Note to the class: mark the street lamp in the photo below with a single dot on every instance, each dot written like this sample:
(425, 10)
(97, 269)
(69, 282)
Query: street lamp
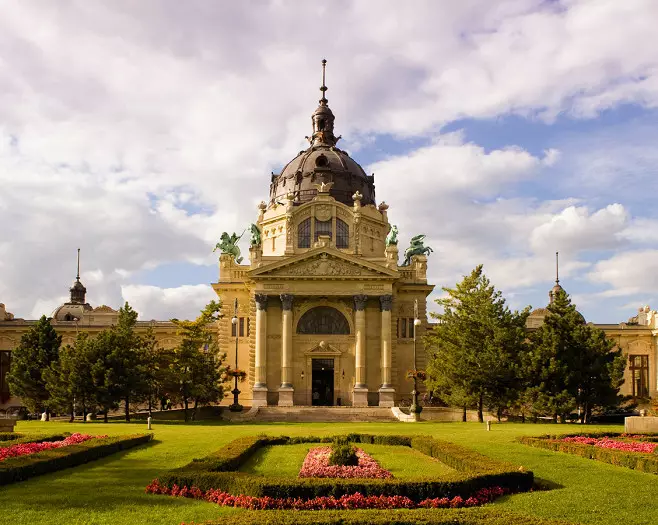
(415, 407)
(235, 407)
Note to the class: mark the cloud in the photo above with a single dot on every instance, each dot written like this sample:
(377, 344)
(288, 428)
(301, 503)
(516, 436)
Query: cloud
(167, 303)
(632, 272)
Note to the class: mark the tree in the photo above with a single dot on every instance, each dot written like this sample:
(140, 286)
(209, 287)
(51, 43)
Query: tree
(475, 346)
(38, 349)
(196, 363)
(571, 364)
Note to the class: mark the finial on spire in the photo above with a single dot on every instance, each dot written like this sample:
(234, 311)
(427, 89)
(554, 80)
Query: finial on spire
(557, 267)
(324, 88)
(77, 276)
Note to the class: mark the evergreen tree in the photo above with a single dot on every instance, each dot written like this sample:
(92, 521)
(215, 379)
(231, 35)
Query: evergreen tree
(38, 349)
(571, 364)
(475, 346)
(196, 363)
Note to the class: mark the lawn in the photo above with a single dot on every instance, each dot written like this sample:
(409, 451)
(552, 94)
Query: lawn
(111, 490)
(402, 462)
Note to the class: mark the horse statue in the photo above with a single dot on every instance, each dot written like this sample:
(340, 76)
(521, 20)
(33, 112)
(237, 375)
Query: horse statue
(255, 236)
(416, 248)
(228, 244)
(392, 237)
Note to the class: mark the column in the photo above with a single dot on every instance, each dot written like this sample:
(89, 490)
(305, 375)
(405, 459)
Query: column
(360, 388)
(286, 389)
(260, 358)
(386, 390)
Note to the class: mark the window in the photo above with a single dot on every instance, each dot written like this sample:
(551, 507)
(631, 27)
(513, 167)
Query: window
(304, 234)
(241, 323)
(342, 234)
(234, 330)
(5, 362)
(242, 327)
(323, 320)
(406, 327)
(639, 366)
(322, 228)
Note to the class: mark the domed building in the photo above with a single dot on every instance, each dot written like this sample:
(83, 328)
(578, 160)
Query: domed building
(325, 314)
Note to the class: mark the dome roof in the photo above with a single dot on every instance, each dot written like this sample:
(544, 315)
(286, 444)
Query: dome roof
(540, 311)
(323, 162)
(70, 312)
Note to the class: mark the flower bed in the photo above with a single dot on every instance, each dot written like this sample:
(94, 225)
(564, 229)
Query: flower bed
(23, 449)
(19, 468)
(316, 465)
(627, 445)
(350, 501)
(617, 449)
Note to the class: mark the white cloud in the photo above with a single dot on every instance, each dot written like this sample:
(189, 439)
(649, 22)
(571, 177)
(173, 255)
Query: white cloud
(633, 272)
(167, 303)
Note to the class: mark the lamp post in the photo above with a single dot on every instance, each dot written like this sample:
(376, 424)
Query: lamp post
(415, 407)
(235, 407)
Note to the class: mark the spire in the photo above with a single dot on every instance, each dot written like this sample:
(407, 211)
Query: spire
(323, 118)
(78, 291)
(557, 286)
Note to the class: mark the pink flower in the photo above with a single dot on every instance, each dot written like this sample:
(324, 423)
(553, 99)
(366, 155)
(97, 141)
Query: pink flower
(24, 449)
(316, 465)
(605, 442)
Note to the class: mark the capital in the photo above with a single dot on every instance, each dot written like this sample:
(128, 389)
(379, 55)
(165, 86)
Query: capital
(261, 301)
(385, 302)
(360, 302)
(286, 301)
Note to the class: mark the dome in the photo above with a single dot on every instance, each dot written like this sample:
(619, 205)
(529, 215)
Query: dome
(323, 162)
(540, 311)
(70, 312)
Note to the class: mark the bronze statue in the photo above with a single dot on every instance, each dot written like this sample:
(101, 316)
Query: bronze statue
(228, 244)
(416, 247)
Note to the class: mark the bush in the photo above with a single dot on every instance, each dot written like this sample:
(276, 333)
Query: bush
(23, 467)
(634, 460)
(475, 472)
(16, 439)
(343, 455)
(383, 517)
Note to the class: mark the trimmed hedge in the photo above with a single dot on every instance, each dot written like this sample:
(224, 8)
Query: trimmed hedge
(23, 467)
(634, 460)
(475, 472)
(383, 517)
(32, 438)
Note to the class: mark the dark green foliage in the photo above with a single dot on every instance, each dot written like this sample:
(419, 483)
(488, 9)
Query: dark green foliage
(9, 436)
(23, 467)
(475, 471)
(634, 460)
(474, 348)
(343, 454)
(31, 438)
(38, 349)
(571, 364)
(486, 516)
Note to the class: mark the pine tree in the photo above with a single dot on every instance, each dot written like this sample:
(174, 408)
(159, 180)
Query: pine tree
(475, 347)
(38, 349)
(196, 363)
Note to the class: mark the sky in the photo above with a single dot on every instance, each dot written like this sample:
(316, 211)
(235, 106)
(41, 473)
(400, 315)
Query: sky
(504, 131)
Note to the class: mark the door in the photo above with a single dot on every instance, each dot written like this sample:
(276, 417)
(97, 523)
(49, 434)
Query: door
(322, 382)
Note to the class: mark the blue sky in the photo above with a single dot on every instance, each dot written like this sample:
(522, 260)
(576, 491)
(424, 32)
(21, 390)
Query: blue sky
(503, 130)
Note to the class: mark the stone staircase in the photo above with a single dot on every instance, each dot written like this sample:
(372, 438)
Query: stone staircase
(306, 414)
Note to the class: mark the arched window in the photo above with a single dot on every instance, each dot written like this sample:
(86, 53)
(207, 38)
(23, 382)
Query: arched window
(304, 234)
(322, 228)
(323, 320)
(342, 234)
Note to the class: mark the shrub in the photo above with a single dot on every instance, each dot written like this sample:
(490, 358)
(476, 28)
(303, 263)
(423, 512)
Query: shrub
(343, 455)
(32, 438)
(24, 467)
(482, 516)
(634, 460)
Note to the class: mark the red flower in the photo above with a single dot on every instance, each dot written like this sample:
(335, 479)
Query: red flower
(23, 449)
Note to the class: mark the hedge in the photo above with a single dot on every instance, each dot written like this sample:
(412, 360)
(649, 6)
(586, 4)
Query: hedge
(474, 472)
(19, 439)
(482, 516)
(634, 460)
(23, 467)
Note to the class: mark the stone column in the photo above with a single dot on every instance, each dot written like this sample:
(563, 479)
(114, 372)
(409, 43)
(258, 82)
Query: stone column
(260, 358)
(386, 390)
(286, 389)
(360, 388)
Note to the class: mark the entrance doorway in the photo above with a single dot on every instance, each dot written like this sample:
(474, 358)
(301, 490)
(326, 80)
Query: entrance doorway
(322, 382)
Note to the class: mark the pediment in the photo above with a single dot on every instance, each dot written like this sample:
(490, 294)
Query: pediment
(324, 263)
(323, 349)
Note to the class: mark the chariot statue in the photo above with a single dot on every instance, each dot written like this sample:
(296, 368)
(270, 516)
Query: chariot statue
(392, 237)
(228, 244)
(416, 247)
(255, 236)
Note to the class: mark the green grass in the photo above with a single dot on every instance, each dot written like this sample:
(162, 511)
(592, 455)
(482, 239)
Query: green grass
(111, 491)
(402, 462)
